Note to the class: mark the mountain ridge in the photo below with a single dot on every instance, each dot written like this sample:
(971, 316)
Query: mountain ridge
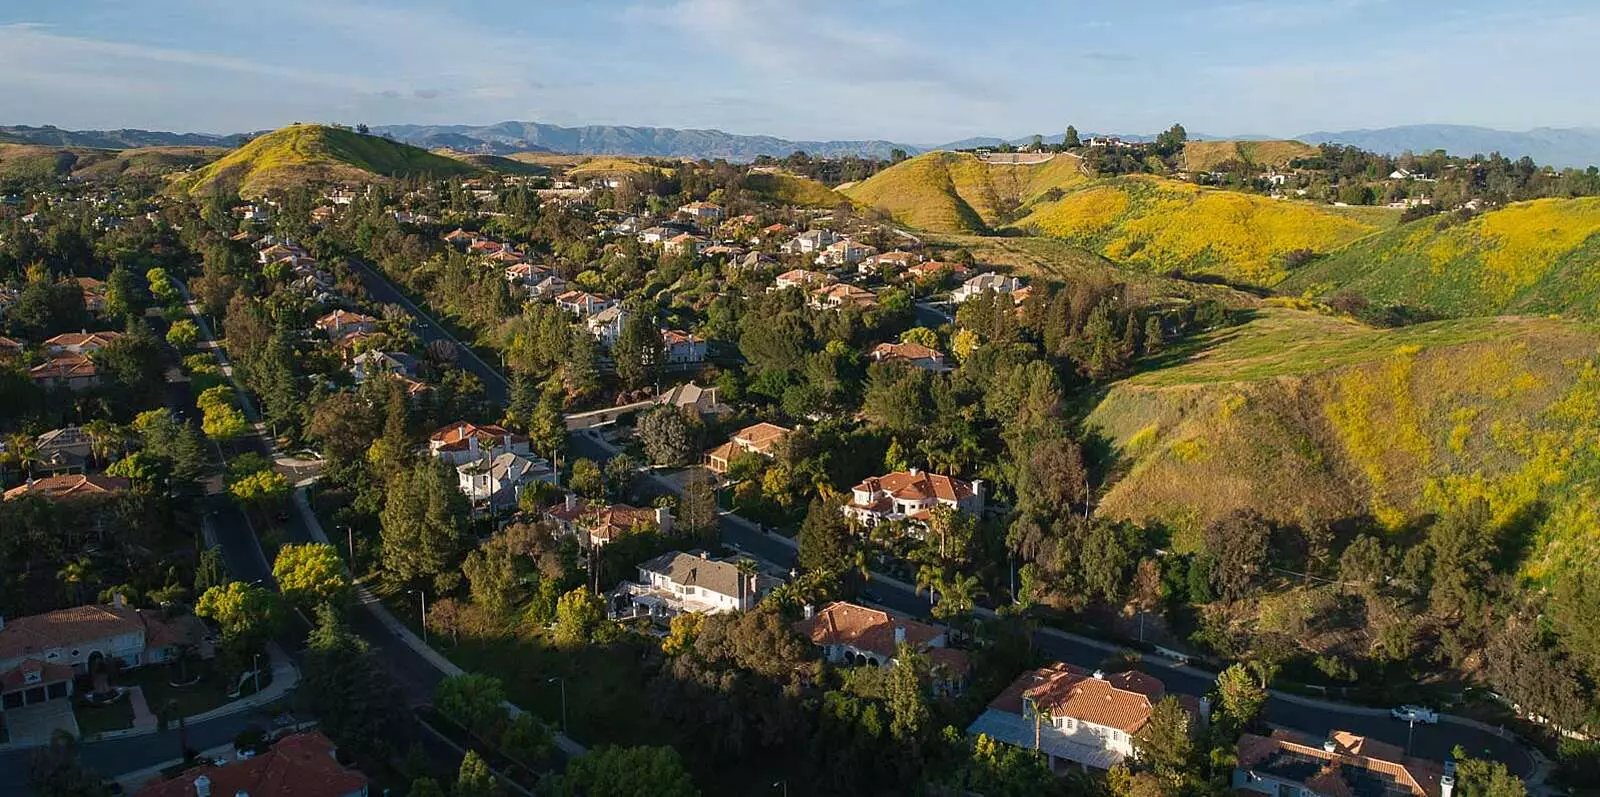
(504, 138)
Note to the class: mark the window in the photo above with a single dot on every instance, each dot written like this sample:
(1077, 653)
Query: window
(75, 654)
(32, 677)
(1069, 724)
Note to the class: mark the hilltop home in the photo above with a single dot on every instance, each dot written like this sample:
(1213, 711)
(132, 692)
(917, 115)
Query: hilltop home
(761, 438)
(683, 347)
(1075, 717)
(703, 400)
(841, 295)
(800, 278)
(853, 635)
(64, 450)
(606, 325)
(985, 283)
(375, 362)
(463, 442)
(583, 304)
(915, 355)
(911, 495)
(896, 261)
(43, 654)
(1289, 765)
(701, 211)
(845, 253)
(676, 582)
(809, 242)
(298, 765)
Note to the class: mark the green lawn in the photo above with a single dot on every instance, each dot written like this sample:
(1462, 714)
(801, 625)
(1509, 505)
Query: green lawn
(93, 719)
(209, 693)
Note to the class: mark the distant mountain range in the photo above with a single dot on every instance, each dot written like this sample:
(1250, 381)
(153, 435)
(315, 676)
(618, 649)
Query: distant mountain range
(1577, 147)
(508, 137)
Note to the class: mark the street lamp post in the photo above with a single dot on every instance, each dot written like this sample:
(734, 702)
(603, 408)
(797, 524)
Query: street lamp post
(350, 539)
(255, 670)
(558, 679)
(783, 784)
(423, 594)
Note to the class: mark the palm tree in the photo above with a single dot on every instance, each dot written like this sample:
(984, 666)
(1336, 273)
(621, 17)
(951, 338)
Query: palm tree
(22, 450)
(960, 593)
(104, 438)
(930, 578)
(74, 575)
(863, 565)
(747, 576)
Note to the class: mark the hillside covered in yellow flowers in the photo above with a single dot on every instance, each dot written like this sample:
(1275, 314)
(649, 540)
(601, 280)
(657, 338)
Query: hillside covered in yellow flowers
(1302, 417)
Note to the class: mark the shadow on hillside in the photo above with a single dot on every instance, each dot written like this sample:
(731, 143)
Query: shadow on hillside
(1214, 279)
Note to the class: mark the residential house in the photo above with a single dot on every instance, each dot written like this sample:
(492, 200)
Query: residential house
(676, 582)
(606, 325)
(854, 635)
(845, 253)
(70, 487)
(841, 295)
(505, 257)
(598, 526)
(724, 251)
(655, 235)
(64, 450)
(548, 288)
(80, 342)
(340, 323)
(757, 260)
(484, 246)
(583, 303)
(909, 353)
(460, 237)
(893, 261)
(683, 347)
(701, 211)
(911, 495)
(1286, 764)
(525, 274)
(934, 269)
(72, 371)
(684, 243)
(499, 481)
(761, 438)
(702, 400)
(10, 348)
(374, 362)
(809, 242)
(298, 765)
(462, 442)
(42, 655)
(800, 278)
(1075, 717)
(94, 293)
(988, 282)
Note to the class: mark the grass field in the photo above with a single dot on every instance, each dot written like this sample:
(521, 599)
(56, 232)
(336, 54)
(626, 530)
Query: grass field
(1204, 156)
(1301, 416)
(1163, 225)
(954, 192)
(316, 153)
(607, 165)
(1530, 257)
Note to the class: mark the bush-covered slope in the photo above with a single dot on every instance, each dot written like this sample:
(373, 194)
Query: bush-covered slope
(494, 163)
(1298, 415)
(316, 154)
(1164, 224)
(955, 192)
(1204, 156)
(1537, 257)
(792, 190)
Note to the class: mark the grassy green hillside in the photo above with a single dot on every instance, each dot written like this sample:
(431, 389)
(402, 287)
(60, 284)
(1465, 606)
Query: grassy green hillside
(603, 166)
(1299, 415)
(955, 192)
(1204, 156)
(792, 190)
(29, 161)
(1165, 224)
(495, 163)
(315, 154)
(1530, 257)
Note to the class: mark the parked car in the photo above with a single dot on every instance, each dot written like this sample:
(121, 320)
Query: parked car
(1415, 714)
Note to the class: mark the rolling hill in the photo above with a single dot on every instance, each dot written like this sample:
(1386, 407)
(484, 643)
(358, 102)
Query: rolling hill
(955, 192)
(1166, 225)
(495, 163)
(29, 161)
(1205, 156)
(1529, 257)
(1303, 416)
(791, 189)
(315, 154)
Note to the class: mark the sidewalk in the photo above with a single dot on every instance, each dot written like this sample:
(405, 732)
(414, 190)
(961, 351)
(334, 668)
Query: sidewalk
(404, 633)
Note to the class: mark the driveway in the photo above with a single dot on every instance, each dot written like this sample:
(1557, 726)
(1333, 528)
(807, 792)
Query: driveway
(33, 725)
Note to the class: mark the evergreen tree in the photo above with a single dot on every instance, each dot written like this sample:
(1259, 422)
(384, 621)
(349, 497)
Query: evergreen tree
(1071, 141)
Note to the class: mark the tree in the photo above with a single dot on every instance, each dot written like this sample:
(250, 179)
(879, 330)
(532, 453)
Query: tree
(359, 706)
(587, 480)
(527, 739)
(247, 614)
(209, 571)
(670, 436)
(474, 778)
(697, 508)
(579, 614)
(1241, 695)
(1164, 743)
(1072, 141)
(627, 772)
(824, 540)
(425, 787)
(1154, 336)
(908, 704)
(310, 574)
(922, 336)
(639, 351)
(492, 576)
(1239, 544)
(182, 334)
(262, 488)
(423, 520)
(1478, 778)
(55, 771)
(475, 702)
(683, 630)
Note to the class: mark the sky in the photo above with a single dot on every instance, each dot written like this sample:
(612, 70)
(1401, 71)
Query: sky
(913, 71)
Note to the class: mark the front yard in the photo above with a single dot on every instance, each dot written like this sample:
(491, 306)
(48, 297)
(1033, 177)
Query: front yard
(96, 718)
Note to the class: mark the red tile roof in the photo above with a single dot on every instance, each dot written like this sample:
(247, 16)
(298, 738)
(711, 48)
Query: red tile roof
(904, 352)
(1350, 755)
(302, 765)
(841, 623)
(454, 437)
(80, 340)
(918, 485)
(66, 628)
(69, 486)
(1122, 700)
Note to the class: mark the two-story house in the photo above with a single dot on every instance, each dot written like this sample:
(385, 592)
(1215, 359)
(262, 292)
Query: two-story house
(895, 261)
(702, 211)
(1076, 718)
(761, 438)
(64, 450)
(985, 283)
(676, 582)
(463, 442)
(683, 347)
(70, 487)
(498, 481)
(606, 325)
(911, 495)
(68, 370)
(800, 278)
(598, 525)
(42, 655)
(340, 323)
(1287, 764)
(702, 400)
(583, 303)
(376, 363)
(809, 242)
(845, 252)
(841, 295)
(853, 635)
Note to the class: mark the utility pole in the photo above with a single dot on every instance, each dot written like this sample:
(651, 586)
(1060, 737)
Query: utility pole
(563, 682)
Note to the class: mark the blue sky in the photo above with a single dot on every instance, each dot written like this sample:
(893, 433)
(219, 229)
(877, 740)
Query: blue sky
(909, 70)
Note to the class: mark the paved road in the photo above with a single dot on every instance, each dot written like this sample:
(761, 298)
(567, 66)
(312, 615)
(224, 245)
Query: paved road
(381, 290)
(1429, 741)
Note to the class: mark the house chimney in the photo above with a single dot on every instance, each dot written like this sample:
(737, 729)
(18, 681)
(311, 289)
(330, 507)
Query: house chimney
(202, 786)
(915, 470)
(899, 635)
(810, 611)
(1447, 782)
(663, 519)
(1205, 711)
(572, 502)
(705, 554)
(1099, 675)
(119, 600)
(1329, 746)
